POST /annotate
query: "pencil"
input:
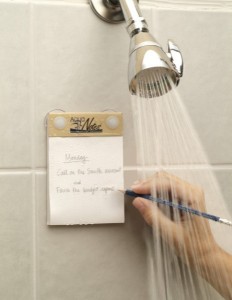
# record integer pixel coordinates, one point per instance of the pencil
(178, 206)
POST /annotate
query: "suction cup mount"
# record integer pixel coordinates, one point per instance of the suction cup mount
(108, 10)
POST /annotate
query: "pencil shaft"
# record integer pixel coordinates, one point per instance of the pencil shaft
(174, 205)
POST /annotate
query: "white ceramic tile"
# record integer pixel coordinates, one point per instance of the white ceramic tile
(80, 65)
(205, 40)
(15, 119)
(90, 262)
(16, 237)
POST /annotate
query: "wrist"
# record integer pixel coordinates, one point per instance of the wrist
(208, 260)
(216, 268)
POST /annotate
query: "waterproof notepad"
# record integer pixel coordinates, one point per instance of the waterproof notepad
(85, 168)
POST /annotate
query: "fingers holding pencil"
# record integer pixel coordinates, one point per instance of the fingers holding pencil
(189, 232)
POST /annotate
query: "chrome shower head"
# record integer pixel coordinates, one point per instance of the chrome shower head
(152, 72)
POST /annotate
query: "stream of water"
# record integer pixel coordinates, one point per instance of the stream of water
(170, 154)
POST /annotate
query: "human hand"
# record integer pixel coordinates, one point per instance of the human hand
(189, 235)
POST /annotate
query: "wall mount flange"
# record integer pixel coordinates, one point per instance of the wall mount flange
(108, 10)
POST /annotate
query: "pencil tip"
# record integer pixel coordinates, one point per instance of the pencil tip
(121, 190)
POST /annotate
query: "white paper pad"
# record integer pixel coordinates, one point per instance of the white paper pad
(83, 178)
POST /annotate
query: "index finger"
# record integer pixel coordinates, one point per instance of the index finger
(166, 185)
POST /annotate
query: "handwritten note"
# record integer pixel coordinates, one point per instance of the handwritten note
(84, 176)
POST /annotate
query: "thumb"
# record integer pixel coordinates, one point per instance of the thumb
(145, 208)
(154, 217)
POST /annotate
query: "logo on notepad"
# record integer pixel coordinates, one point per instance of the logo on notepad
(84, 125)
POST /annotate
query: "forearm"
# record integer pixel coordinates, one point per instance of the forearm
(216, 268)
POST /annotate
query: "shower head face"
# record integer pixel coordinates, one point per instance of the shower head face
(151, 73)
(152, 83)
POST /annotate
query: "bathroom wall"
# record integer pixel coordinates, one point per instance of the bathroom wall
(58, 55)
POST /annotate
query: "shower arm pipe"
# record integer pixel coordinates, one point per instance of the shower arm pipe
(133, 17)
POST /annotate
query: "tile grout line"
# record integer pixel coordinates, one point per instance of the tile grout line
(33, 169)
(206, 6)
(181, 167)
(43, 170)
